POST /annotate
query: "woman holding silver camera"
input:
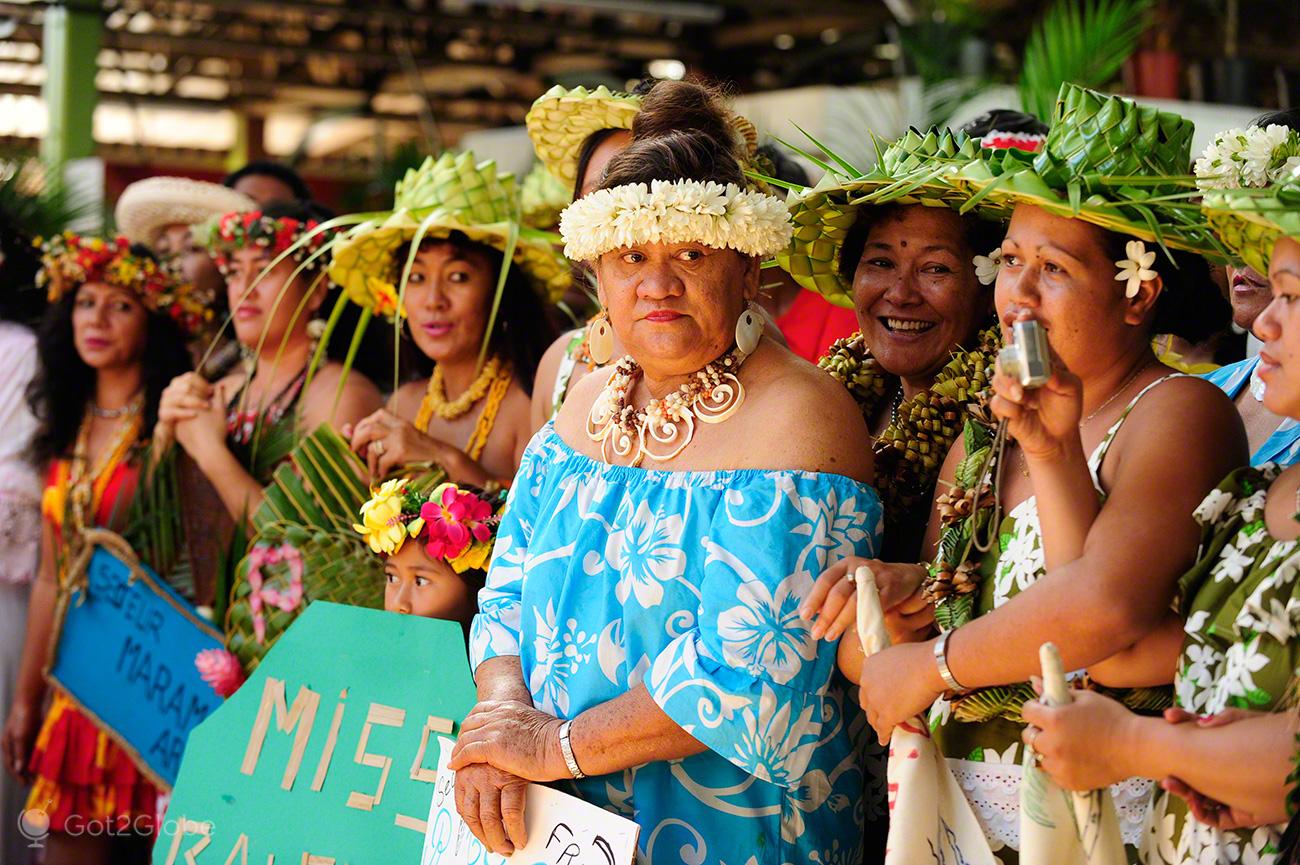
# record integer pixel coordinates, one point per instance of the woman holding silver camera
(1102, 467)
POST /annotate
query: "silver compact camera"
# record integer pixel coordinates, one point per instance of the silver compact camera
(1027, 359)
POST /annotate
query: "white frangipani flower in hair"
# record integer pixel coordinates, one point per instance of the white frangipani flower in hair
(987, 266)
(1136, 269)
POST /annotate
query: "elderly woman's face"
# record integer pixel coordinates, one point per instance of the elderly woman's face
(1279, 326)
(915, 291)
(674, 305)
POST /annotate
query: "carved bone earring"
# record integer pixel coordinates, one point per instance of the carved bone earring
(600, 339)
(749, 329)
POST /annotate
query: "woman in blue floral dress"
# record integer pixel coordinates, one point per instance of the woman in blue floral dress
(639, 632)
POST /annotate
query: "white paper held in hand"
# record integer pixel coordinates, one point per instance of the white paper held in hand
(562, 829)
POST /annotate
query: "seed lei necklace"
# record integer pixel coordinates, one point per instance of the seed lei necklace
(492, 382)
(436, 404)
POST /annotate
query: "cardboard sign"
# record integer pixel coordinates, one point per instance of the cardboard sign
(562, 830)
(125, 654)
(329, 752)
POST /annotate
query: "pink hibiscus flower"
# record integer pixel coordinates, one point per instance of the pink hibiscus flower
(453, 520)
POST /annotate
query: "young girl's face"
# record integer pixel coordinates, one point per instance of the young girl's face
(418, 585)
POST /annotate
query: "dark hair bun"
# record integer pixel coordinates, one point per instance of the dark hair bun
(684, 106)
(684, 130)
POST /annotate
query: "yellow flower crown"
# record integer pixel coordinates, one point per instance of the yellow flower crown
(459, 524)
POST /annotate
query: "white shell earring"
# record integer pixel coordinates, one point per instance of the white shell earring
(749, 329)
(600, 339)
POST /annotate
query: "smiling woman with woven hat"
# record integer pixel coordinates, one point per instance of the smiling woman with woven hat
(1102, 465)
(636, 635)
(891, 244)
(471, 284)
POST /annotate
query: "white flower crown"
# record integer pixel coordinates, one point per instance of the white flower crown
(678, 211)
(1252, 157)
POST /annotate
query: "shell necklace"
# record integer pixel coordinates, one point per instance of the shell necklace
(665, 426)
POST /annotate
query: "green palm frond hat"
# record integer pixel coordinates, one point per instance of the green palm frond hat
(562, 119)
(1250, 221)
(542, 198)
(453, 193)
(916, 169)
(1109, 161)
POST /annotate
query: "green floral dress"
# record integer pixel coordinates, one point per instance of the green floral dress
(980, 732)
(1242, 606)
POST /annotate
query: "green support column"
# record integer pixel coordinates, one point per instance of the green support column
(250, 140)
(70, 52)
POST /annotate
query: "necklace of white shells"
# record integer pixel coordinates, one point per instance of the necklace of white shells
(665, 426)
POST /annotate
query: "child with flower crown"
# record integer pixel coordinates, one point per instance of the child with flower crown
(436, 544)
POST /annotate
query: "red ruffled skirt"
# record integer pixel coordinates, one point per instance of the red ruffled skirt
(81, 772)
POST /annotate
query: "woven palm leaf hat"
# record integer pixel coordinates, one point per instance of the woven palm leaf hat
(148, 206)
(453, 193)
(542, 198)
(1251, 179)
(1109, 161)
(562, 119)
(1250, 221)
(916, 169)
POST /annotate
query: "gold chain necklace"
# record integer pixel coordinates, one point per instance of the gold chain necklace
(712, 394)
(435, 398)
(1024, 466)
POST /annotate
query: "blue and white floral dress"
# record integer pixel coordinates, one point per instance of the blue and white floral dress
(608, 577)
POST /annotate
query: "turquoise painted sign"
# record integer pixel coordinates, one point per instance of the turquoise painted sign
(329, 753)
(125, 654)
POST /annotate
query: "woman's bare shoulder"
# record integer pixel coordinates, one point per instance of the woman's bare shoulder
(805, 420)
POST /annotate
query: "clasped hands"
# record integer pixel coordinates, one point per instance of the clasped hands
(503, 746)
(1089, 744)
(191, 412)
(386, 443)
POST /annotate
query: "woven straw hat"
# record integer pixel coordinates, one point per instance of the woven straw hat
(1109, 161)
(916, 169)
(542, 198)
(453, 193)
(150, 205)
(562, 119)
(1250, 221)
